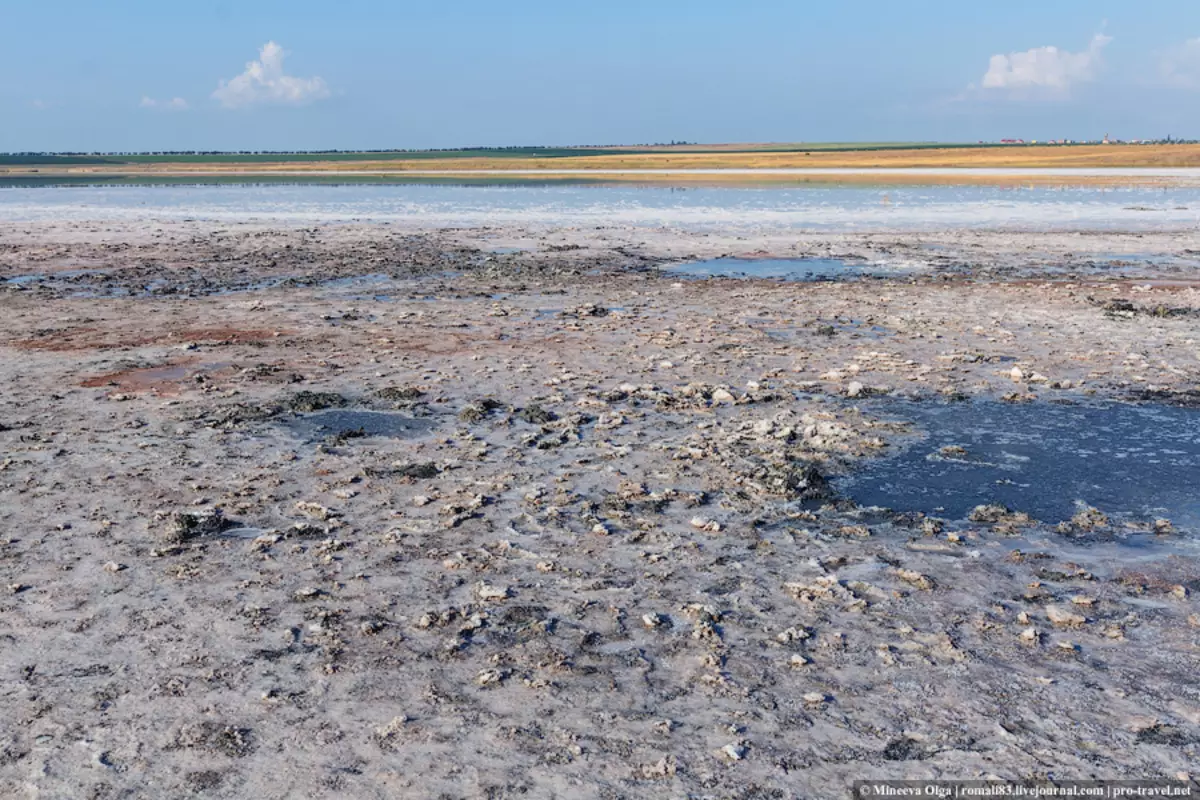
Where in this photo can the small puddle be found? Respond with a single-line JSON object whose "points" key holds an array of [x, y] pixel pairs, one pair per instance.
{"points": [[343, 422], [1130, 461], [787, 269]]}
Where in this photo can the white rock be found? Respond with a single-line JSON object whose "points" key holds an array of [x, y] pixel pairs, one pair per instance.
{"points": [[723, 397], [1064, 617], [491, 594], [733, 752]]}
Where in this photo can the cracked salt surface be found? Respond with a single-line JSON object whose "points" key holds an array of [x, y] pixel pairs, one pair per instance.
{"points": [[1136, 462]]}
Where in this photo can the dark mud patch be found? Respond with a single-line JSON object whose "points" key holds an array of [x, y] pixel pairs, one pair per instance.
{"points": [[344, 424], [785, 269], [1133, 462]]}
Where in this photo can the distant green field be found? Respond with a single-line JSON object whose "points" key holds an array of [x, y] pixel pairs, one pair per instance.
{"points": [[52, 160]]}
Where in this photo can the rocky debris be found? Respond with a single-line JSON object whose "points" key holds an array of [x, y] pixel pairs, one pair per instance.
{"points": [[238, 414], [405, 470], [388, 736], [733, 752], [1064, 617], [491, 677], [227, 740], [186, 526], [1123, 309], [660, 770], [307, 593], [479, 411], [536, 415], [652, 621], [492, 594], [316, 511], [1086, 520], [586, 310], [904, 749], [307, 402], [1162, 734], [1004, 519], [400, 395], [909, 576], [792, 481], [1179, 398]]}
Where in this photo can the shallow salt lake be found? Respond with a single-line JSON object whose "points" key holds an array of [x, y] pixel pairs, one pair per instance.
{"points": [[834, 207]]}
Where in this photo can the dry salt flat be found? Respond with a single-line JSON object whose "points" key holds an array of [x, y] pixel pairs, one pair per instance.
{"points": [[483, 501]]}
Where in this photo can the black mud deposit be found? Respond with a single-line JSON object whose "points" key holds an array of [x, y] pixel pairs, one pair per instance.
{"points": [[1132, 461], [345, 423], [788, 269]]}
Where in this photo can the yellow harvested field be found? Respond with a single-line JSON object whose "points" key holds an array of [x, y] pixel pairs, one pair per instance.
{"points": [[611, 167]]}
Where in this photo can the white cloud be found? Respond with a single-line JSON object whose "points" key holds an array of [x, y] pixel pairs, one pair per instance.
{"points": [[1045, 67], [1180, 66], [265, 82], [174, 104]]}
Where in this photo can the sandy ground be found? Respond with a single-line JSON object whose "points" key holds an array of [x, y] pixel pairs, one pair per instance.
{"points": [[601, 559]]}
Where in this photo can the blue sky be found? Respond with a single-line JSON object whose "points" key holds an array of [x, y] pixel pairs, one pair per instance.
{"points": [[126, 75]]}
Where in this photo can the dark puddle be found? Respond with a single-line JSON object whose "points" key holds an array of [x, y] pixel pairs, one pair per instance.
{"points": [[787, 269], [350, 424], [1135, 462]]}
